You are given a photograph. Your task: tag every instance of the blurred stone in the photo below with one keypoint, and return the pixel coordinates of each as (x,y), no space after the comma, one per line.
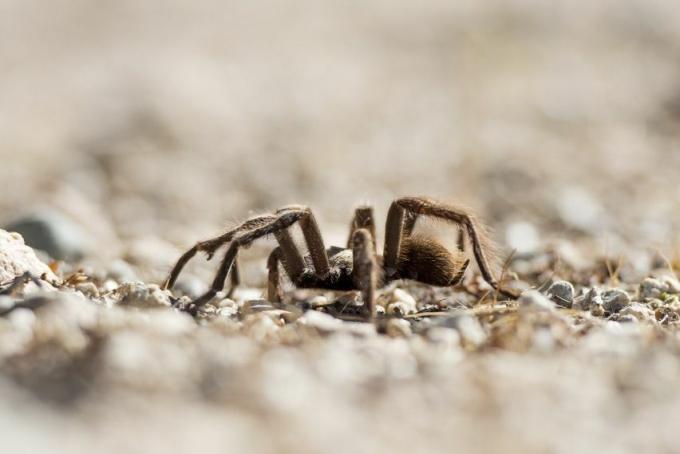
(141,295)
(121,271)
(442,335)
(254,306)
(398,302)
(639,311)
(227,308)
(652,288)
(562,293)
(206,311)
(326,324)
(672,284)
(260,327)
(597,310)
(522,237)
(89,289)
(398,327)
(319,301)
(52,232)
(580,303)
(533,300)
(592,301)
(579,209)
(615,300)
(594,296)
(16,259)
(469,328)
(109,285)
(321,321)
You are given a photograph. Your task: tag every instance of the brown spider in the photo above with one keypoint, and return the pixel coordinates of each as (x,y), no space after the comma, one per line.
(357,267)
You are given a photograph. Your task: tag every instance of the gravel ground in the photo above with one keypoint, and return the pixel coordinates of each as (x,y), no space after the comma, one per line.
(99,364)
(128,131)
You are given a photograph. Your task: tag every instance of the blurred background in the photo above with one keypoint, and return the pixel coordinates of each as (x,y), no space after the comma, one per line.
(159,122)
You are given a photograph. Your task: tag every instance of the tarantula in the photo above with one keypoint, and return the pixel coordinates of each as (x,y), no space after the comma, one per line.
(358,266)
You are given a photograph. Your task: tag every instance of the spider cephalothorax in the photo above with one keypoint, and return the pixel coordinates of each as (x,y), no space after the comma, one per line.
(358,266)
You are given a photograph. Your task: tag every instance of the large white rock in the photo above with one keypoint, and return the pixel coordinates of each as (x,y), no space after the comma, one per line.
(16,258)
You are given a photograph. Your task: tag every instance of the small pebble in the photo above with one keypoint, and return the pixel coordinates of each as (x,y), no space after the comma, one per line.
(398,327)
(109,285)
(615,300)
(445,336)
(581,303)
(652,288)
(654,303)
(323,322)
(593,302)
(639,311)
(562,293)
(143,296)
(468,327)
(319,301)
(88,289)
(597,310)
(398,302)
(671,283)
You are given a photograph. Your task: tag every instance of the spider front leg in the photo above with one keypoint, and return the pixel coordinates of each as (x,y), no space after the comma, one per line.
(365,269)
(282,221)
(211,246)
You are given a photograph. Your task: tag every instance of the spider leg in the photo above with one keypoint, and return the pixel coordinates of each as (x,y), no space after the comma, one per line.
(394,229)
(234,278)
(283,220)
(289,254)
(363,219)
(427,207)
(273,279)
(365,269)
(461,238)
(210,246)
(459,277)
(313,238)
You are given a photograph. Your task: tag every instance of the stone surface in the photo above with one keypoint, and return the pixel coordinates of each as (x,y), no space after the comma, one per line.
(16,259)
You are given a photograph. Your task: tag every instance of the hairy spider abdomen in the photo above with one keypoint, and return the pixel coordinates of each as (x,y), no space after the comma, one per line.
(424,259)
